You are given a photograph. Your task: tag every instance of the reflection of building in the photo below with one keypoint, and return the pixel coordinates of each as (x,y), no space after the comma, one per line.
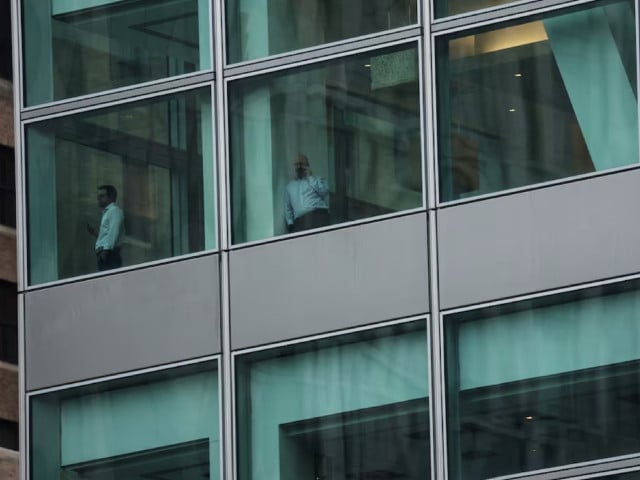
(471,311)
(8,302)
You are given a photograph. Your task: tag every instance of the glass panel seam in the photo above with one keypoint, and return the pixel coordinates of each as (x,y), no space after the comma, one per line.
(319,54)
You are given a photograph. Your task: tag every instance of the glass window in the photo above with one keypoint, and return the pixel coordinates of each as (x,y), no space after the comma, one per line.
(533,102)
(120,186)
(340,408)
(259,28)
(7,186)
(9,434)
(8,322)
(158,426)
(74,48)
(6,67)
(325,144)
(543,383)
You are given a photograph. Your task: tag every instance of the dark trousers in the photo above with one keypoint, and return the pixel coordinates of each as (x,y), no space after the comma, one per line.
(112,260)
(314,219)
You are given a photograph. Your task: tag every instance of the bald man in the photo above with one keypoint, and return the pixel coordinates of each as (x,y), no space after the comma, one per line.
(306,206)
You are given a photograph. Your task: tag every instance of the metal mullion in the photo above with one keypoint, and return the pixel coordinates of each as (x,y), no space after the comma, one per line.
(540,294)
(227,441)
(141,372)
(501,13)
(331,334)
(18,148)
(636,5)
(69,109)
(438,380)
(23,410)
(430,180)
(322,53)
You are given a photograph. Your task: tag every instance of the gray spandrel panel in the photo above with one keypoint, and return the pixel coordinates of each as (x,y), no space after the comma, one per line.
(328,281)
(122,322)
(549,238)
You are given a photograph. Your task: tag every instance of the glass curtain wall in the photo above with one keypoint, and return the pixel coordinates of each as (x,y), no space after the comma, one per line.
(162,426)
(155,155)
(259,28)
(74,48)
(535,101)
(341,408)
(325,144)
(543,383)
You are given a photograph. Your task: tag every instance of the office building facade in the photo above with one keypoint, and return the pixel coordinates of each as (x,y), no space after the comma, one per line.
(330,240)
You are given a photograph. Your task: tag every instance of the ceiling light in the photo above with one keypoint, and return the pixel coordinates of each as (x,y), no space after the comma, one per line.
(512,109)
(518,75)
(367,65)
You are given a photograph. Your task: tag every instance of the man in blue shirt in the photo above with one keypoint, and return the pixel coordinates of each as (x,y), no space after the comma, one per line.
(305,200)
(109,235)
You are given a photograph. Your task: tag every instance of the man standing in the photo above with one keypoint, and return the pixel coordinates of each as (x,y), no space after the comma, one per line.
(109,235)
(305,203)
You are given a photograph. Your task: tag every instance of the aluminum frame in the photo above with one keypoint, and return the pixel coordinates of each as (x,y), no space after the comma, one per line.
(311,338)
(320,51)
(496,16)
(598,467)
(26,474)
(102,99)
(23,239)
(312,61)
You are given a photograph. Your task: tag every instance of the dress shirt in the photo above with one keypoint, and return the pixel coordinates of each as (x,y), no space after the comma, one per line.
(111,226)
(304,195)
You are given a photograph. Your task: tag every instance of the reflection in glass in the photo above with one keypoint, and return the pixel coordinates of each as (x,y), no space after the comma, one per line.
(75,48)
(622,476)
(339,140)
(160,426)
(158,156)
(533,102)
(259,28)
(543,383)
(340,408)
(444,8)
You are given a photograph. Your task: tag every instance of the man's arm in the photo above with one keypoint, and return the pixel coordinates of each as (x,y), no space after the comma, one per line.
(319,186)
(288,209)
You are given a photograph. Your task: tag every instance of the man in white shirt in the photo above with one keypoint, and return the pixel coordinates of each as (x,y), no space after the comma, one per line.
(305,199)
(109,235)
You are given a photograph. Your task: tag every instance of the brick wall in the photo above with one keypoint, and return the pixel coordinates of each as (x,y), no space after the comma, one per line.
(6,113)
(8,464)
(7,254)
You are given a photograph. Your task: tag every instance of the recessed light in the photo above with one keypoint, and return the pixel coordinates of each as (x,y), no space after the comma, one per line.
(517,75)
(529,417)
(512,109)
(367,65)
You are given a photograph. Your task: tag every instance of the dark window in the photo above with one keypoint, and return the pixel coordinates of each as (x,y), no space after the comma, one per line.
(8,323)
(8,434)
(6,70)
(7,187)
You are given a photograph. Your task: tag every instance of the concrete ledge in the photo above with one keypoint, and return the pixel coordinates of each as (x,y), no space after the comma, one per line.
(8,393)
(9,463)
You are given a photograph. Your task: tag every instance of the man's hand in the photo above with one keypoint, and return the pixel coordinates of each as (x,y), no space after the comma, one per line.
(91,230)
